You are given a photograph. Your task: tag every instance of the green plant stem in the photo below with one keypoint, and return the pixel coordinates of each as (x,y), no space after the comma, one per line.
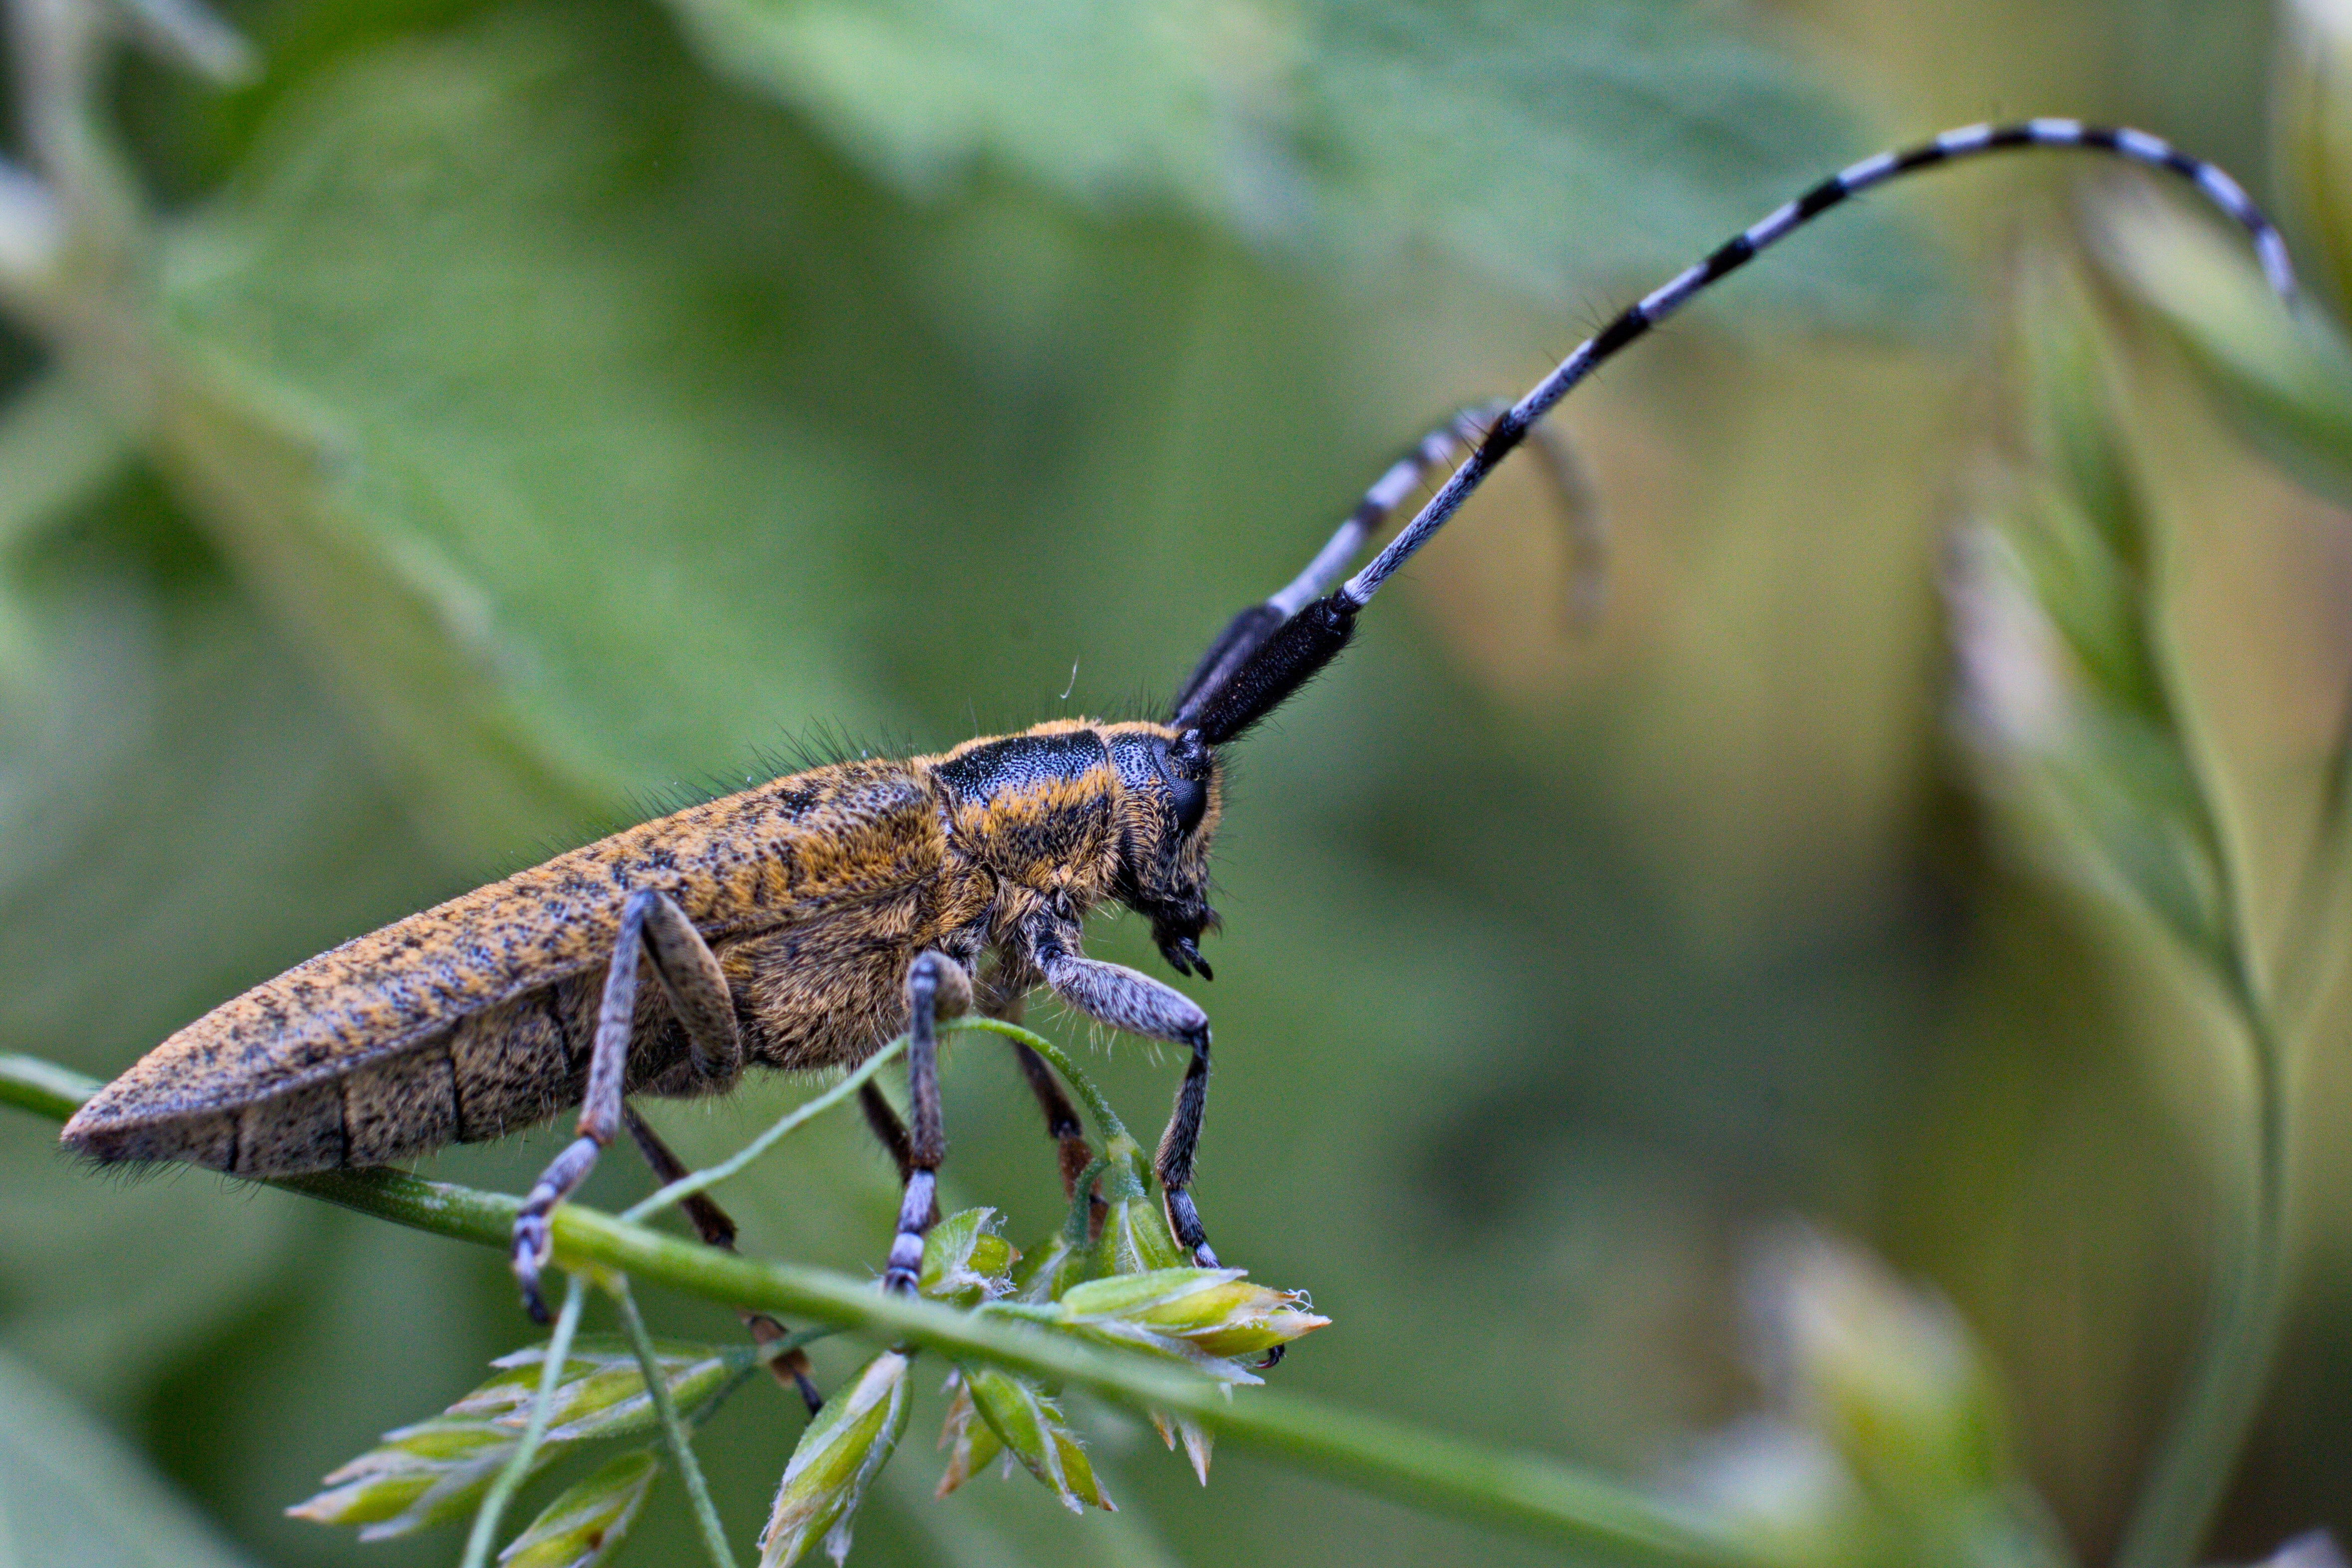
(695,1182)
(1081,1223)
(45,1089)
(1122,1166)
(484,1532)
(1599,1516)
(1604,1521)
(700,1181)
(681,1450)
(2309,961)
(1106,1119)
(2199,1451)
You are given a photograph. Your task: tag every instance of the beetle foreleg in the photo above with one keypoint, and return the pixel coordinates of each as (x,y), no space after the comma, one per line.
(1126,999)
(937,986)
(1174,1160)
(1123,999)
(651,922)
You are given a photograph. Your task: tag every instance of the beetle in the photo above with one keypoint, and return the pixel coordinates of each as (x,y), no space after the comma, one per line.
(803,922)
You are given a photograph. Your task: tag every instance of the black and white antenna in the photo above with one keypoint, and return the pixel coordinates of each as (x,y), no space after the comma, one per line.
(1271,648)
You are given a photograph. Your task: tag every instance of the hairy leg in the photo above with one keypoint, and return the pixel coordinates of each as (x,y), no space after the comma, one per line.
(650,923)
(937,986)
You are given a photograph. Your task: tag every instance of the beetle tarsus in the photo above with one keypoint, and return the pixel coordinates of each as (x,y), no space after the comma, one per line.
(937,986)
(1184,1225)
(530,1241)
(916,1215)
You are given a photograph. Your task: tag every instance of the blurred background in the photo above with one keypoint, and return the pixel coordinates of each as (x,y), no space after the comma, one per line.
(487,424)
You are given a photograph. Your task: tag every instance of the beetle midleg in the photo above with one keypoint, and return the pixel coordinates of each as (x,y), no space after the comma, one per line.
(885,1125)
(937,986)
(716,1228)
(650,921)
(1126,999)
(1005,994)
(1074,1153)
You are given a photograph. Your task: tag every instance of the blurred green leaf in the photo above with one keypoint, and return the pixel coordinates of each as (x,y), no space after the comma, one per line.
(72,1493)
(57,450)
(1553,146)
(179,809)
(1886,1444)
(445,389)
(473,371)
(2286,379)
(409,637)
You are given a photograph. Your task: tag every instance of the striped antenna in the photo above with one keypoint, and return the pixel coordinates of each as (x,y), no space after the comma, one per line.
(1970,142)
(1247,631)
(1272,648)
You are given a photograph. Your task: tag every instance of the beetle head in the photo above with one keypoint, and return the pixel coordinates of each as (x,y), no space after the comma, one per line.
(1173,788)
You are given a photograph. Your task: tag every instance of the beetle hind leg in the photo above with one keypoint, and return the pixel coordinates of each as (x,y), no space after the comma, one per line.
(653,924)
(937,986)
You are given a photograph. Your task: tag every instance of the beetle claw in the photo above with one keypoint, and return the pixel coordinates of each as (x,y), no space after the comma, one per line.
(529,1248)
(1183,955)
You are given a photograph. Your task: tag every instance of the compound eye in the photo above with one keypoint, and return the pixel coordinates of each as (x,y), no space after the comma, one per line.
(1190,798)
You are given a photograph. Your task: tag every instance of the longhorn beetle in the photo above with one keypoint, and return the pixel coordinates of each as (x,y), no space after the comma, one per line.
(804,923)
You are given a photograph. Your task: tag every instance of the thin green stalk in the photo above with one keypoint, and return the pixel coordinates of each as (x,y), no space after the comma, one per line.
(1079,1225)
(681,1450)
(1391,1457)
(479,1540)
(1121,1164)
(700,1181)
(1604,1519)
(2200,1448)
(2303,977)
(1106,1119)
(2199,1451)
(695,1182)
(45,1089)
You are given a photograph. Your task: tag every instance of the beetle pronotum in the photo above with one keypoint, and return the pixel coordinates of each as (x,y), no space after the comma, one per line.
(806,921)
